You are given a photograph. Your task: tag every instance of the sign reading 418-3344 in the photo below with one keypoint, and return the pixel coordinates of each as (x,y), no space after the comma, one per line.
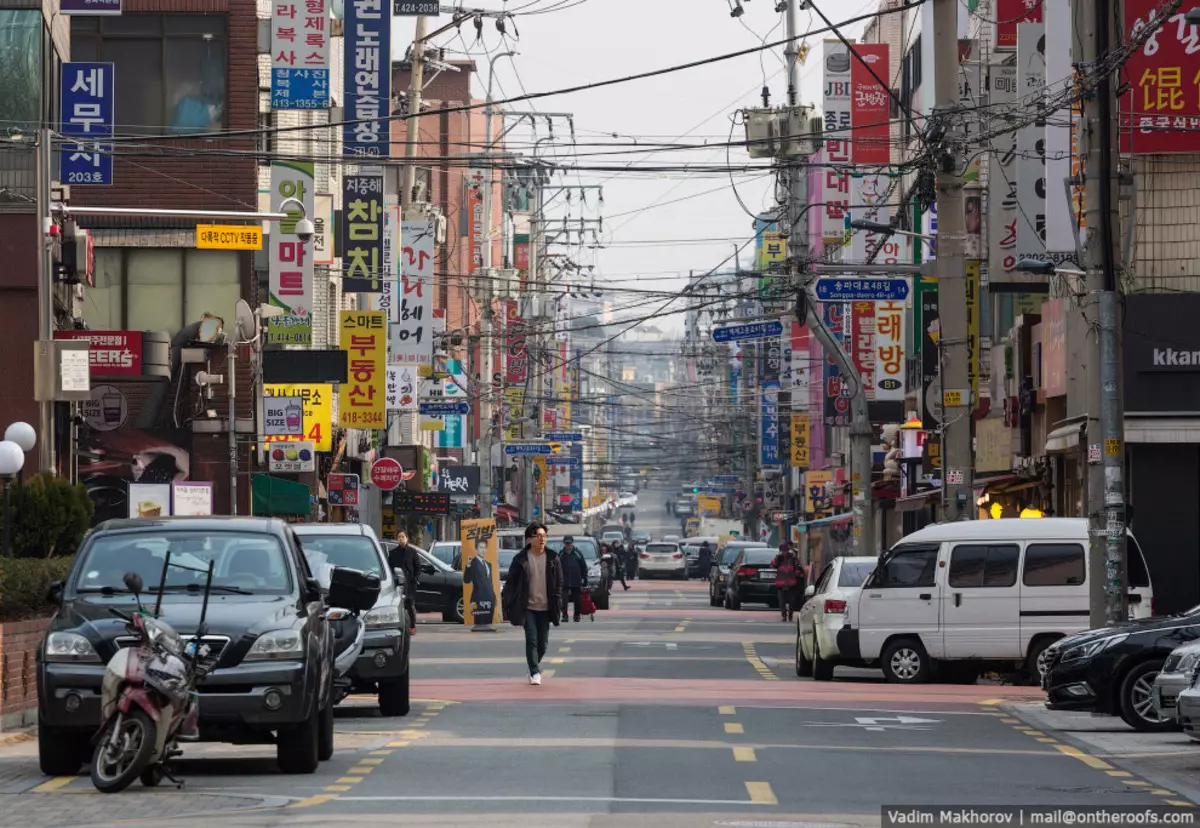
(88,117)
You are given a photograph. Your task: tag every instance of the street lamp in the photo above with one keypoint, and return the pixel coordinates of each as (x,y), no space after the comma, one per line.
(1192,16)
(12,459)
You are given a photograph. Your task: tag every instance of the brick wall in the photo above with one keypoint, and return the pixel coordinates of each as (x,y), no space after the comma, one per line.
(18,671)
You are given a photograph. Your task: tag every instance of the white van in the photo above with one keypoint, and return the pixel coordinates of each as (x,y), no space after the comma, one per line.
(978,593)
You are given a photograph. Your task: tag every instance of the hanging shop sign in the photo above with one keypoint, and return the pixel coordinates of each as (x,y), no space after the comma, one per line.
(361,400)
(289,257)
(362,233)
(299,54)
(367,77)
(88,96)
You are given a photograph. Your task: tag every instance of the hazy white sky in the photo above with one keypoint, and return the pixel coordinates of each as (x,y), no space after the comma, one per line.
(658,226)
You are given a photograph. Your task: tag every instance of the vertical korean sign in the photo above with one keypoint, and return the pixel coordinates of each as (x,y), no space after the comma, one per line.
(412,334)
(368,78)
(1002,181)
(1011,13)
(299,54)
(862,343)
(473,205)
(770,424)
(889,351)
(837,404)
(361,400)
(835,186)
(796,364)
(972,291)
(88,116)
(931,329)
(800,425)
(385,299)
(1160,112)
(1031,143)
(870,104)
(290,259)
(362,233)
(516,370)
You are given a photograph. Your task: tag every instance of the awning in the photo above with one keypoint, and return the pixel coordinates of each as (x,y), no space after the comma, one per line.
(277,496)
(1066,437)
(916,502)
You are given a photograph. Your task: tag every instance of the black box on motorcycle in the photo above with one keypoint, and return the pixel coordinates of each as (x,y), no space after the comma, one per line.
(352,589)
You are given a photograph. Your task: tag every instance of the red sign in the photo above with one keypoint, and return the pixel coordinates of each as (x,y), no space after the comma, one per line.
(870,104)
(386,473)
(521,256)
(862,327)
(343,490)
(475,230)
(1011,12)
(1161,111)
(113,353)
(516,358)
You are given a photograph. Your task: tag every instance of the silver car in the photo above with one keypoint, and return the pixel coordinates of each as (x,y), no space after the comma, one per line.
(1174,678)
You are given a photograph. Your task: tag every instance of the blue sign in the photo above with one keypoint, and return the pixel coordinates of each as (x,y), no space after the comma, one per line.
(299,88)
(526,448)
(434,409)
(770,424)
(573,462)
(576,486)
(88,116)
(368,78)
(564,437)
(718,490)
(862,290)
(754,330)
(725,478)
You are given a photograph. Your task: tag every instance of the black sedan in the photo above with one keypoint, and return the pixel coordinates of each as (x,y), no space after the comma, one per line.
(439,589)
(751,580)
(1111,671)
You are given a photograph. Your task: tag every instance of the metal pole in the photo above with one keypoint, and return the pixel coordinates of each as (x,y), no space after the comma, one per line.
(957,400)
(7,521)
(45,296)
(1106,428)
(412,126)
(233,448)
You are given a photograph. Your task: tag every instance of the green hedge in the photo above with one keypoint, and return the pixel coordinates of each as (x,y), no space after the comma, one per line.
(50,517)
(25,584)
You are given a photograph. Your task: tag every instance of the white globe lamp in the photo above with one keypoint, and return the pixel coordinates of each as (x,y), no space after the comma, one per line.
(22,434)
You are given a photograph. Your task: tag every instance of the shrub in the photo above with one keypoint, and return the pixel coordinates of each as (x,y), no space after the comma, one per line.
(49,517)
(25,585)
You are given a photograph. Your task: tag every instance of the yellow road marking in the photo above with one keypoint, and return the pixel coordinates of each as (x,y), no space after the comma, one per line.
(1179,803)
(319,799)
(556,661)
(397,744)
(381,753)
(416,724)
(370,761)
(412,734)
(680,628)
(350,780)
(761,793)
(339,788)
(54,784)
(1010,721)
(1034,733)
(360,769)
(1161,792)
(734,727)
(1022,727)
(1119,773)
(1047,740)
(564,649)
(727,710)
(991,709)
(744,754)
(1137,782)
(990,702)
(1090,761)
(548,673)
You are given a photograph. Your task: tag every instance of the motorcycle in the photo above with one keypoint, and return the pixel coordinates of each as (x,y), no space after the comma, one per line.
(349,633)
(148,696)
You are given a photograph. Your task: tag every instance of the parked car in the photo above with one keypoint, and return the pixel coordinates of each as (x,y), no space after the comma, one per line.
(691,550)
(751,580)
(661,558)
(640,537)
(1112,670)
(266,628)
(718,576)
(440,588)
(970,595)
(1175,677)
(824,612)
(1187,709)
(599,581)
(684,508)
(446,551)
(382,669)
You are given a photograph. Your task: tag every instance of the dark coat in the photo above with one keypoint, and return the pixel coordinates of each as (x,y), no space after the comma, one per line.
(574,569)
(514,597)
(479,576)
(405,558)
(704,558)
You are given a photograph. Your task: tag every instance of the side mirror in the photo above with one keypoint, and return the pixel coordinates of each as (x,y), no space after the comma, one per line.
(810,590)
(133,582)
(54,596)
(353,589)
(312,589)
(400,577)
(428,569)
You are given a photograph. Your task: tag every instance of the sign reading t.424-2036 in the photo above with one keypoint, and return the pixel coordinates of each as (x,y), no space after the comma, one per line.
(415,8)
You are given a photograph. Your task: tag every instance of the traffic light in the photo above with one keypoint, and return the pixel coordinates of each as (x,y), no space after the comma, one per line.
(695,490)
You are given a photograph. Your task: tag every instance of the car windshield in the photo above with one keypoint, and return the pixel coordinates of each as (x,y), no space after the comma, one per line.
(641,536)
(514,542)
(853,574)
(252,561)
(324,552)
(662,548)
(759,555)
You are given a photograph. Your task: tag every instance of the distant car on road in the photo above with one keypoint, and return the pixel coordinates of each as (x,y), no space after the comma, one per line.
(662,559)
(446,551)
(751,580)
(599,582)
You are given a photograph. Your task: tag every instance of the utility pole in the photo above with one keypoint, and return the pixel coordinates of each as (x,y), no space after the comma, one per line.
(45,291)
(412,128)
(1105,424)
(957,402)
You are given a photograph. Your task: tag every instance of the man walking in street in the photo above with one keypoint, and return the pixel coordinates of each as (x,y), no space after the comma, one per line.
(704,560)
(404,558)
(532,596)
(618,553)
(788,581)
(574,575)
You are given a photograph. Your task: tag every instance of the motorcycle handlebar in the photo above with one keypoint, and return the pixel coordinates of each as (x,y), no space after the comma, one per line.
(119,614)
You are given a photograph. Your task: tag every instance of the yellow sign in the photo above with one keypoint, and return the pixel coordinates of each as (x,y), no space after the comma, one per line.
(555,448)
(817,501)
(229,237)
(361,399)
(952,398)
(709,505)
(514,410)
(774,249)
(972,285)
(800,441)
(318,412)
(481,572)
(1112,447)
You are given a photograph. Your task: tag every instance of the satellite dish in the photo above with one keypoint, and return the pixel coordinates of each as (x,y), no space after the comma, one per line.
(211,329)
(247,327)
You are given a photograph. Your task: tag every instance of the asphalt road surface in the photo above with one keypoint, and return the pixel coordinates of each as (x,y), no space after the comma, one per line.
(663,711)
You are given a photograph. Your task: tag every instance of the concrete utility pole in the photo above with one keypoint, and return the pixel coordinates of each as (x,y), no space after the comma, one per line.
(412,127)
(1106,417)
(45,292)
(957,403)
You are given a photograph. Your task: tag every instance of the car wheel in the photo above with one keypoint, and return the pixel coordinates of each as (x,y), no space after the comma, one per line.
(906,662)
(299,750)
(61,752)
(735,603)
(822,669)
(1036,662)
(455,613)
(325,732)
(1137,704)
(393,697)
(804,667)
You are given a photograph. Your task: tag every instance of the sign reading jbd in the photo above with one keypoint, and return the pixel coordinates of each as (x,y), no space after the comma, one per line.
(228,237)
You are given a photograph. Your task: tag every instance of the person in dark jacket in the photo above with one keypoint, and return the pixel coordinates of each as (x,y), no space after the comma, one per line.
(404,558)
(532,596)
(618,563)
(483,594)
(575,575)
(704,560)
(789,581)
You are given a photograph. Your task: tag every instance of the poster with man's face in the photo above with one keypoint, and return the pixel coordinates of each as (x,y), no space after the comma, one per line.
(480,560)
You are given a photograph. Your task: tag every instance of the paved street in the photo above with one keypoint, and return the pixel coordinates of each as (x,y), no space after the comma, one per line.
(663,711)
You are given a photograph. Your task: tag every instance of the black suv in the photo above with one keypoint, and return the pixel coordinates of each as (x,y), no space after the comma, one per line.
(266,627)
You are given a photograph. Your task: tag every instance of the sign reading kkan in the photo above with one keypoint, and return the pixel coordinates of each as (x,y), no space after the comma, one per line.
(228,237)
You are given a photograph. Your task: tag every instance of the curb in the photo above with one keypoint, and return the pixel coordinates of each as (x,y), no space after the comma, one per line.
(16,737)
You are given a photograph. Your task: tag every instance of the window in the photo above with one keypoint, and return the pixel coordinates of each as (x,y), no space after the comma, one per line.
(823,581)
(913,566)
(980,565)
(171,69)
(21,68)
(853,574)
(1054,564)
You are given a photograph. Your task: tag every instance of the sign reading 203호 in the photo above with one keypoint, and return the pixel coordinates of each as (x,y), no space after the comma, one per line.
(361,400)
(362,234)
(316,402)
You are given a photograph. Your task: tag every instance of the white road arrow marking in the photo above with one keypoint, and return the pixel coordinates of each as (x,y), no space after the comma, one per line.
(902,721)
(666,644)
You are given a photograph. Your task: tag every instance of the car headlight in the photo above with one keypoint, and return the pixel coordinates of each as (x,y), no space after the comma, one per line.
(383,617)
(1187,664)
(1093,648)
(277,644)
(69,646)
